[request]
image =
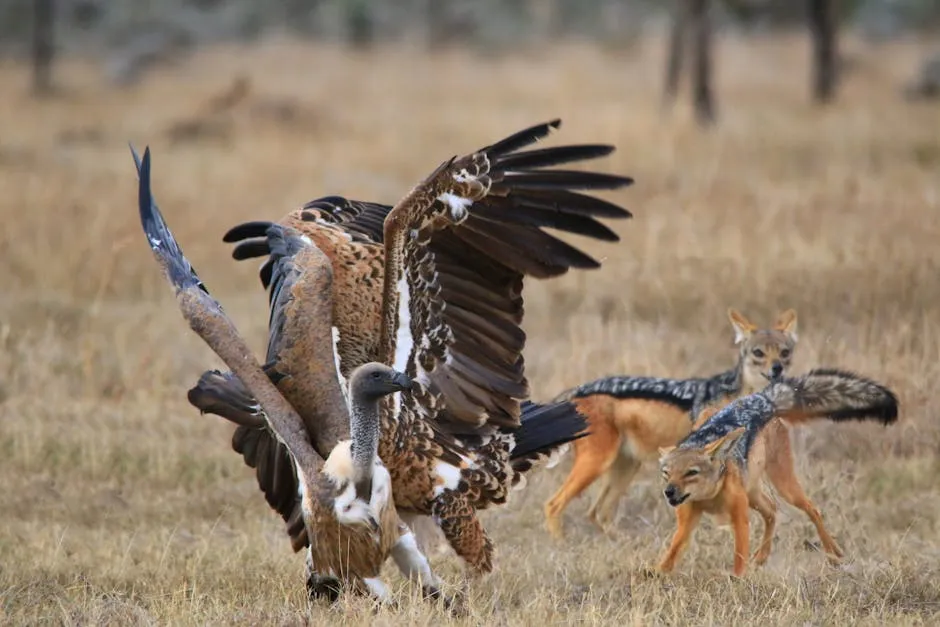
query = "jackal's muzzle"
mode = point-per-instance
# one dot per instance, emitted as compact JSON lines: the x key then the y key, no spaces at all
{"x":672,"y":495}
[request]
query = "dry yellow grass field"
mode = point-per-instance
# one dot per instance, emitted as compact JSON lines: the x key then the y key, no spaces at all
{"x":119,"y":504}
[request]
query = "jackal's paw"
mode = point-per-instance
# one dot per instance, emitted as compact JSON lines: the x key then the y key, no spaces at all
{"x":554,"y":529}
{"x":604,"y":526}
{"x":760,"y":558}
{"x":654,"y":572}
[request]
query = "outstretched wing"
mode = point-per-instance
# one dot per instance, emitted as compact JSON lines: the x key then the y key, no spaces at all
{"x":459,"y":246}
{"x":301,"y":350}
{"x":300,"y":362}
{"x":206,"y":318}
{"x":360,"y":221}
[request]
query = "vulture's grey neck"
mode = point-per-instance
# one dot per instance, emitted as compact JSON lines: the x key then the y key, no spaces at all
{"x":364,"y":429}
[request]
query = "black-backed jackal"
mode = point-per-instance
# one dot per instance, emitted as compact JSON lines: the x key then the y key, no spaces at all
{"x":630,"y":418}
{"x":719,"y":468}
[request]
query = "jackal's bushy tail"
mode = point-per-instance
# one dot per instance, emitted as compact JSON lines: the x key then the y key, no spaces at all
{"x":832,"y":394}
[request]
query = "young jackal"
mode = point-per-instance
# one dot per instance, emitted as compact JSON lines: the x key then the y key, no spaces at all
{"x":718,"y":468}
{"x":630,"y":418}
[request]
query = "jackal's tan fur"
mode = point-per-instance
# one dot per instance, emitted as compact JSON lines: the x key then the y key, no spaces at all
{"x":626,"y":431}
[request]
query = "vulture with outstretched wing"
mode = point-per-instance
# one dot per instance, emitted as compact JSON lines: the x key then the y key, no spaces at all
{"x":346,"y":502}
{"x":432,"y":287}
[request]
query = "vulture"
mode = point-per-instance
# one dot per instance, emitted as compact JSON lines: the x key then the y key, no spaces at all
{"x":346,"y":500}
{"x":432,"y":287}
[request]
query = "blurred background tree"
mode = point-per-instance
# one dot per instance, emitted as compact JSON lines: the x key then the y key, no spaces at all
{"x":132,"y":35}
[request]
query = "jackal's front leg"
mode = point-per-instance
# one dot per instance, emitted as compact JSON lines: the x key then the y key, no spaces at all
{"x":687,"y":518}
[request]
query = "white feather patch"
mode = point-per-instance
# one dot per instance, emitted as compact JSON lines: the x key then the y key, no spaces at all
{"x":348,"y":509}
{"x":300,"y":476}
{"x":555,"y":456}
{"x":337,"y":361}
{"x":377,"y":588}
{"x":381,"y":487}
{"x":403,"y":340}
{"x":449,"y":476}
{"x":463,"y":176}
{"x":459,"y":206}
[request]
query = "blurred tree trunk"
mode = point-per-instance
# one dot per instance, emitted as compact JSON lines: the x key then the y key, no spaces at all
{"x":43,"y":45}
{"x":452,"y":22}
{"x":301,"y":15}
{"x":360,"y":24}
{"x":676,"y":53}
{"x":702,"y":76}
{"x":822,"y":24}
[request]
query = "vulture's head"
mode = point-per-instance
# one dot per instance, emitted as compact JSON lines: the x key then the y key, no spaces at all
{"x":372,"y":381}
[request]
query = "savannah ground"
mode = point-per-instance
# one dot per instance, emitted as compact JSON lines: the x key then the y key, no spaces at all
{"x":120,"y":504}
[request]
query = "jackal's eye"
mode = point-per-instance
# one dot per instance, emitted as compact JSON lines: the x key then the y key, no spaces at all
{"x":758,"y":353}
{"x":691,"y":473}
{"x":785,"y":353}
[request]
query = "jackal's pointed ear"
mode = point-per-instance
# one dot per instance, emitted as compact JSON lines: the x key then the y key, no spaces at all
{"x":742,"y":326}
{"x":786,"y":322}
{"x":720,"y":447}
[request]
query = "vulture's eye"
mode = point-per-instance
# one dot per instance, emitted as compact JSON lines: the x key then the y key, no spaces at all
{"x":376,"y":375}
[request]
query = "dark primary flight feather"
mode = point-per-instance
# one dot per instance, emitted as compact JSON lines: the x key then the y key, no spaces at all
{"x":361,"y":220}
{"x":467,"y":280}
{"x":480,"y":263}
{"x":470,"y":347}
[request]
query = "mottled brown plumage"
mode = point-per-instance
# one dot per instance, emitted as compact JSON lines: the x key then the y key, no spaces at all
{"x":439,"y":279}
{"x":347,"y":507}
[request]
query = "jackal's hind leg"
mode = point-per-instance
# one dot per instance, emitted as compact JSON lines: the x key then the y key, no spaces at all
{"x":593,"y":455}
{"x":765,"y":506}
{"x":616,"y":481}
{"x":782,"y":476}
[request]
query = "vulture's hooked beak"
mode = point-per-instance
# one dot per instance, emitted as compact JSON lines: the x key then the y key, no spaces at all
{"x":403,"y":381}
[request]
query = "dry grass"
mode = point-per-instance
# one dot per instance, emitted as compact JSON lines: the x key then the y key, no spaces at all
{"x":120,"y":504}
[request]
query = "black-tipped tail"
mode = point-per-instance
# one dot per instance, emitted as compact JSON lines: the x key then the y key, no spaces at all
{"x":836,"y":395}
{"x":545,"y":430}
